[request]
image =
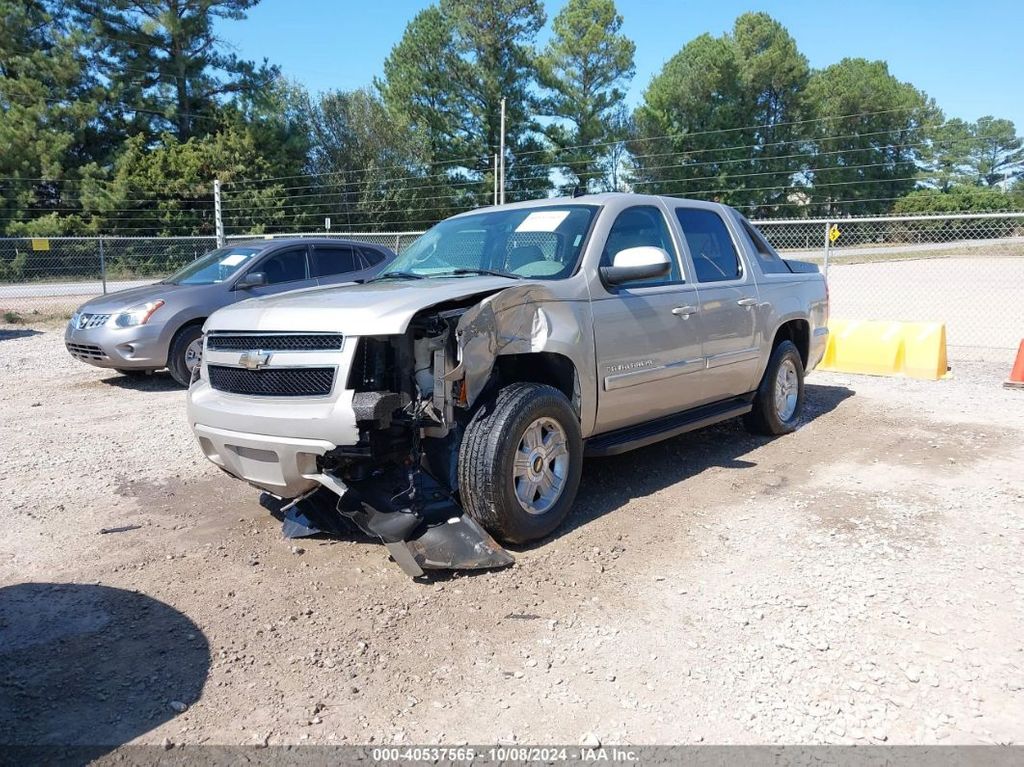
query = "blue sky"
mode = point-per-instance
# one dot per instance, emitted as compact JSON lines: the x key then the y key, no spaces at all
{"x":968,"y":56}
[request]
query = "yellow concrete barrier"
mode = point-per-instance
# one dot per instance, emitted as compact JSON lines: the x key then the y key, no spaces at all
{"x":912,"y":349}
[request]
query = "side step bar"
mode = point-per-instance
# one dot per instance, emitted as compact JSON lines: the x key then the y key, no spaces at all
{"x":631,"y":437}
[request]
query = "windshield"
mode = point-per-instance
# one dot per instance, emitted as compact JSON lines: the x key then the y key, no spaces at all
{"x":540,"y":243}
{"x":216,"y":266}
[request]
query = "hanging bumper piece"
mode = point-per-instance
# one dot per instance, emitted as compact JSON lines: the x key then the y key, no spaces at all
{"x":421,"y":525}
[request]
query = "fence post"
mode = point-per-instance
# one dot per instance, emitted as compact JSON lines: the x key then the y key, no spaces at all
{"x":218,"y":221}
{"x":103,"y":267}
{"x":398,"y":242}
{"x":828,"y":245}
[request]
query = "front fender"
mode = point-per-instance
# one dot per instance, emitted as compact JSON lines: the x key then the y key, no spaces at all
{"x":522,"y":320}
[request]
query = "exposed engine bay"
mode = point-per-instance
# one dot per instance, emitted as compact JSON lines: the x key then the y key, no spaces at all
{"x":399,"y":482}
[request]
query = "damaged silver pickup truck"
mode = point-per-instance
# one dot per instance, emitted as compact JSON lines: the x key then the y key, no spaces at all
{"x":455,"y":396}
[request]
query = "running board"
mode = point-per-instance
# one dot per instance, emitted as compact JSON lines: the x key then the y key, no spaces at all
{"x":632,"y":437}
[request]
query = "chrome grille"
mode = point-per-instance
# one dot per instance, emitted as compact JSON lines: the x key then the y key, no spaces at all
{"x":275,"y":342}
{"x":87,"y":321}
{"x":273,"y":382}
{"x":86,"y":351}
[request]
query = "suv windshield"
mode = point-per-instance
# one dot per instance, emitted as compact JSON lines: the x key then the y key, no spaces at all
{"x":540,"y":243}
{"x":216,"y":266}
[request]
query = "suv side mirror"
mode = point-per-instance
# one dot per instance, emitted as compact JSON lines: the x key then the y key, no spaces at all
{"x":642,"y":263}
{"x":251,"y":280}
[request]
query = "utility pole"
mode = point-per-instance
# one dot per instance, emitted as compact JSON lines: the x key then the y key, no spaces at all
{"x":217,"y":219}
{"x":501,"y":199}
{"x":495,"y":179}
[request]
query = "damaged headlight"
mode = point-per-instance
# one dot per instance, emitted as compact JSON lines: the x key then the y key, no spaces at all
{"x":136,"y":315}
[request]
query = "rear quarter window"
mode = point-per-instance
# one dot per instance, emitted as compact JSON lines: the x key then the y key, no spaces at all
{"x":770,"y":261}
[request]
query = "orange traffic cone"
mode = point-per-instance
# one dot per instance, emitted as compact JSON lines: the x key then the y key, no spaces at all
{"x":1016,"y":379}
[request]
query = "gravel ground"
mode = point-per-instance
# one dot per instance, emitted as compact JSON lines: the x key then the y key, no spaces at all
{"x":859,"y":581}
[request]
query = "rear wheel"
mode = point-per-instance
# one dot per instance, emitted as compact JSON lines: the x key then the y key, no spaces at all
{"x":780,"y":397}
{"x":185,"y":353}
{"x":520,"y":462}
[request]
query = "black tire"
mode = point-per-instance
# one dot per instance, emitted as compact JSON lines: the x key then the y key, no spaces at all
{"x":486,"y":461}
{"x":176,"y":354}
{"x":765,"y":417}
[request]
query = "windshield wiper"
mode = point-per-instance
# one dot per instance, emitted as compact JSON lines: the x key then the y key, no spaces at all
{"x":492,"y":272}
{"x":398,"y":276}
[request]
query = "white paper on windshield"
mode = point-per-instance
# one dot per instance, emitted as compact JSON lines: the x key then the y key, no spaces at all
{"x":542,"y":221}
{"x":232,"y":260}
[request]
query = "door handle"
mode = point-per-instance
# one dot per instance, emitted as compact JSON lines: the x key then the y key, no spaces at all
{"x":747,"y":301}
{"x":684,"y":311}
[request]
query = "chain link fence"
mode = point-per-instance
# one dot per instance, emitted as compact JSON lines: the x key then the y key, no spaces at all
{"x":964,"y":270}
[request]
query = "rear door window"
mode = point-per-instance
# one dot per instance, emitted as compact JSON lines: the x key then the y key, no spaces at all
{"x":714,"y":255}
{"x":335,"y":259}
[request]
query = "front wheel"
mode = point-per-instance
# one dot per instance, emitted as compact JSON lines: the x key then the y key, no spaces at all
{"x":185,"y":353}
{"x":780,"y":397}
{"x":520,"y":462}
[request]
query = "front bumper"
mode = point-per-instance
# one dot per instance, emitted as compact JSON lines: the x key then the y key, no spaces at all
{"x":252,"y":437}
{"x":284,"y":466}
{"x":138,"y":348}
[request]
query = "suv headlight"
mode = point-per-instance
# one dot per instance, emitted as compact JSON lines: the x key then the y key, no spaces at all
{"x":136,"y":315}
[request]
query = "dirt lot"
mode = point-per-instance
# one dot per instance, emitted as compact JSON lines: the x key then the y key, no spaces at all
{"x":858,"y":581}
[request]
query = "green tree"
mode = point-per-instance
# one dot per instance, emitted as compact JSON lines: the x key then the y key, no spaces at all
{"x":165,"y":67}
{"x":997,"y":153}
{"x":448,"y":75}
{"x":774,"y":75}
{"x":167,"y":188}
{"x":957,"y":199}
{"x":944,"y":159}
{"x":49,"y":104}
{"x":585,"y":66}
{"x":867,"y":132}
{"x":722,"y":120}
{"x":686,"y":123}
{"x":419,"y":75}
{"x":367,"y":167}
{"x":495,"y":37}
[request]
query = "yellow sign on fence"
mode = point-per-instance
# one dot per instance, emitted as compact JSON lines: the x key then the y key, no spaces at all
{"x":39,"y":243}
{"x":833,"y":233}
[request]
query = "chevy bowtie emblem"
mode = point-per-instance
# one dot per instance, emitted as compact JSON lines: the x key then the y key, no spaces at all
{"x":253,"y":360}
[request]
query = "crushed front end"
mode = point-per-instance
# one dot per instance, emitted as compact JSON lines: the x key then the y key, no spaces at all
{"x":380,"y":427}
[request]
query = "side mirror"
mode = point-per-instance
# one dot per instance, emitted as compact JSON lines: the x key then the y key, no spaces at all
{"x":642,"y":263}
{"x":251,"y":280}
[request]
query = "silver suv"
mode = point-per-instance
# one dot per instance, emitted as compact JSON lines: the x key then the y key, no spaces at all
{"x":457,"y":394}
{"x":144,"y":329}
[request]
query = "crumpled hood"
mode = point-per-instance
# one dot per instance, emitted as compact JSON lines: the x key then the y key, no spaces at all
{"x":373,"y":308}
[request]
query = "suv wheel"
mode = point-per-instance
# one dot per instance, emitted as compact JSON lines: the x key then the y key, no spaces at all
{"x":185,"y":353}
{"x":780,"y":397}
{"x":520,"y":462}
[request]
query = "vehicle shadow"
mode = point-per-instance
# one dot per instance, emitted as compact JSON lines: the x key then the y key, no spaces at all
{"x":610,"y":483}
{"x":86,"y":668}
{"x":159,"y":381}
{"x":10,"y":335}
